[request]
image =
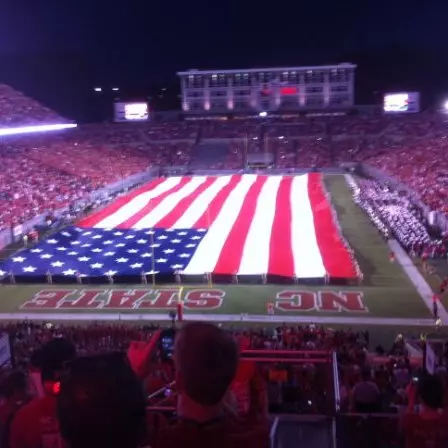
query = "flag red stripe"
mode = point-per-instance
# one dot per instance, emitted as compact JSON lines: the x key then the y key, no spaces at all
{"x":134,"y":219}
{"x":95,"y":218}
{"x":335,"y":256}
{"x":281,"y":260}
{"x":230,"y":257}
{"x":172,"y":217}
{"x":209,"y":216}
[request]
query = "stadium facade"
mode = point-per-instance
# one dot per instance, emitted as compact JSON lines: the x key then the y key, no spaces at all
{"x":268,"y":89}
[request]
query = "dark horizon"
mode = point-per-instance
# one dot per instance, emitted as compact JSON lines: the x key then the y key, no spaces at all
{"x":58,"y":53}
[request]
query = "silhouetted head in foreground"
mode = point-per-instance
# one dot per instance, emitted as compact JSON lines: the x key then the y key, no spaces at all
{"x":102,"y":404}
{"x":206,"y":359}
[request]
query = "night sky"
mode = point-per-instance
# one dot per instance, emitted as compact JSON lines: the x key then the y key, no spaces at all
{"x":57,"y":51}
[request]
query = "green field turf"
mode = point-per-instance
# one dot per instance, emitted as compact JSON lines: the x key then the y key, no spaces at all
{"x":386,"y":290}
{"x":384,"y":282}
{"x":238,"y":299}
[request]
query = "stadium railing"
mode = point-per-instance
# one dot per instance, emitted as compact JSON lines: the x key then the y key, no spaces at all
{"x":288,"y":429}
{"x":292,"y":431}
{"x":284,"y":171}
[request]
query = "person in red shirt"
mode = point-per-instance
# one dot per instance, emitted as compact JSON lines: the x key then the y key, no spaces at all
{"x":206,"y":361}
{"x":428,"y":426}
{"x":35,"y":424}
{"x":240,"y":386}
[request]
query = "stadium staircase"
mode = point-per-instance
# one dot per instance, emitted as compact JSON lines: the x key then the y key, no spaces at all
{"x":198,"y":137}
{"x":208,"y":154}
{"x":296,"y":147}
{"x":329,"y":138}
{"x":312,"y":431}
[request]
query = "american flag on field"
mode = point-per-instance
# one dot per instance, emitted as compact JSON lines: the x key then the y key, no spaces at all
{"x":237,"y":224}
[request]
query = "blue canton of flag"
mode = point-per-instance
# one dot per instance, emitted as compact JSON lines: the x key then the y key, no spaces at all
{"x":95,"y":252}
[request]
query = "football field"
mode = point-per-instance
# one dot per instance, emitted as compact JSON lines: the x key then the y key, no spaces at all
{"x":385,"y":296}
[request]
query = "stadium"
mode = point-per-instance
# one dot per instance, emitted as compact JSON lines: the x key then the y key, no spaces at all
{"x":271,"y":199}
{"x":242,"y":214}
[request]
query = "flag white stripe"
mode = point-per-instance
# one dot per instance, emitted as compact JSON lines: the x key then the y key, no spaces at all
{"x":207,"y":254}
{"x":168,"y":204}
{"x":200,"y":205}
{"x":136,"y":204}
{"x":308,"y":261}
{"x":255,"y":257}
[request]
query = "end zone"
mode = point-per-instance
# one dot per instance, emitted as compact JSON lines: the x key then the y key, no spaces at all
{"x":287,"y":300}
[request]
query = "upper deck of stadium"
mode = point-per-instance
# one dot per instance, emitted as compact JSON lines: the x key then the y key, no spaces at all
{"x":267,"y":89}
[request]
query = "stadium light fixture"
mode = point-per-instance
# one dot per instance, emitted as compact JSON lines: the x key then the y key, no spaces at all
{"x":98,"y":89}
{"x":445,"y":106}
{"x":281,"y":137}
{"x":263,"y":114}
{"x":115,"y":89}
{"x":33,"y":129}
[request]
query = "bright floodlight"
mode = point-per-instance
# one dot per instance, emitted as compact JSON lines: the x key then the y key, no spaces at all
{"x":32,"y":129}
{"x":263,"y":114}
{"x":115,"y":89}
{"x":98,"y":89}
{"x":445,"y":105}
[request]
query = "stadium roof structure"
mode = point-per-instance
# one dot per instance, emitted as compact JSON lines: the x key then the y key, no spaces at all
{"x":344,"y":65}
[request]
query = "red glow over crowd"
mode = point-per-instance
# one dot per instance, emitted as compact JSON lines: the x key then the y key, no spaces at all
{"x":378,"y":380}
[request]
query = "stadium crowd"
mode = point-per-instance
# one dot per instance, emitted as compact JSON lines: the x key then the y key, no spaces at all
{"x":422,"y":165}
{"x":45,"y":174}
{"x":395,"y":216}
{"x":17,"y":109}
{"x":60,"y":169}
{"x":76,"y":382}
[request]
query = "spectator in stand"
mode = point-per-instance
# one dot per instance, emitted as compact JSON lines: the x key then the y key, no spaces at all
{"x":102,"y":404}
{"x":426,"y":423}
{"x":249,"y":391}
{"x":206,"y":359}
{"x":14,"y":393}
{"x":401,"y":375}
{"x":365,"y":395}
{"x":35,"y":425}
